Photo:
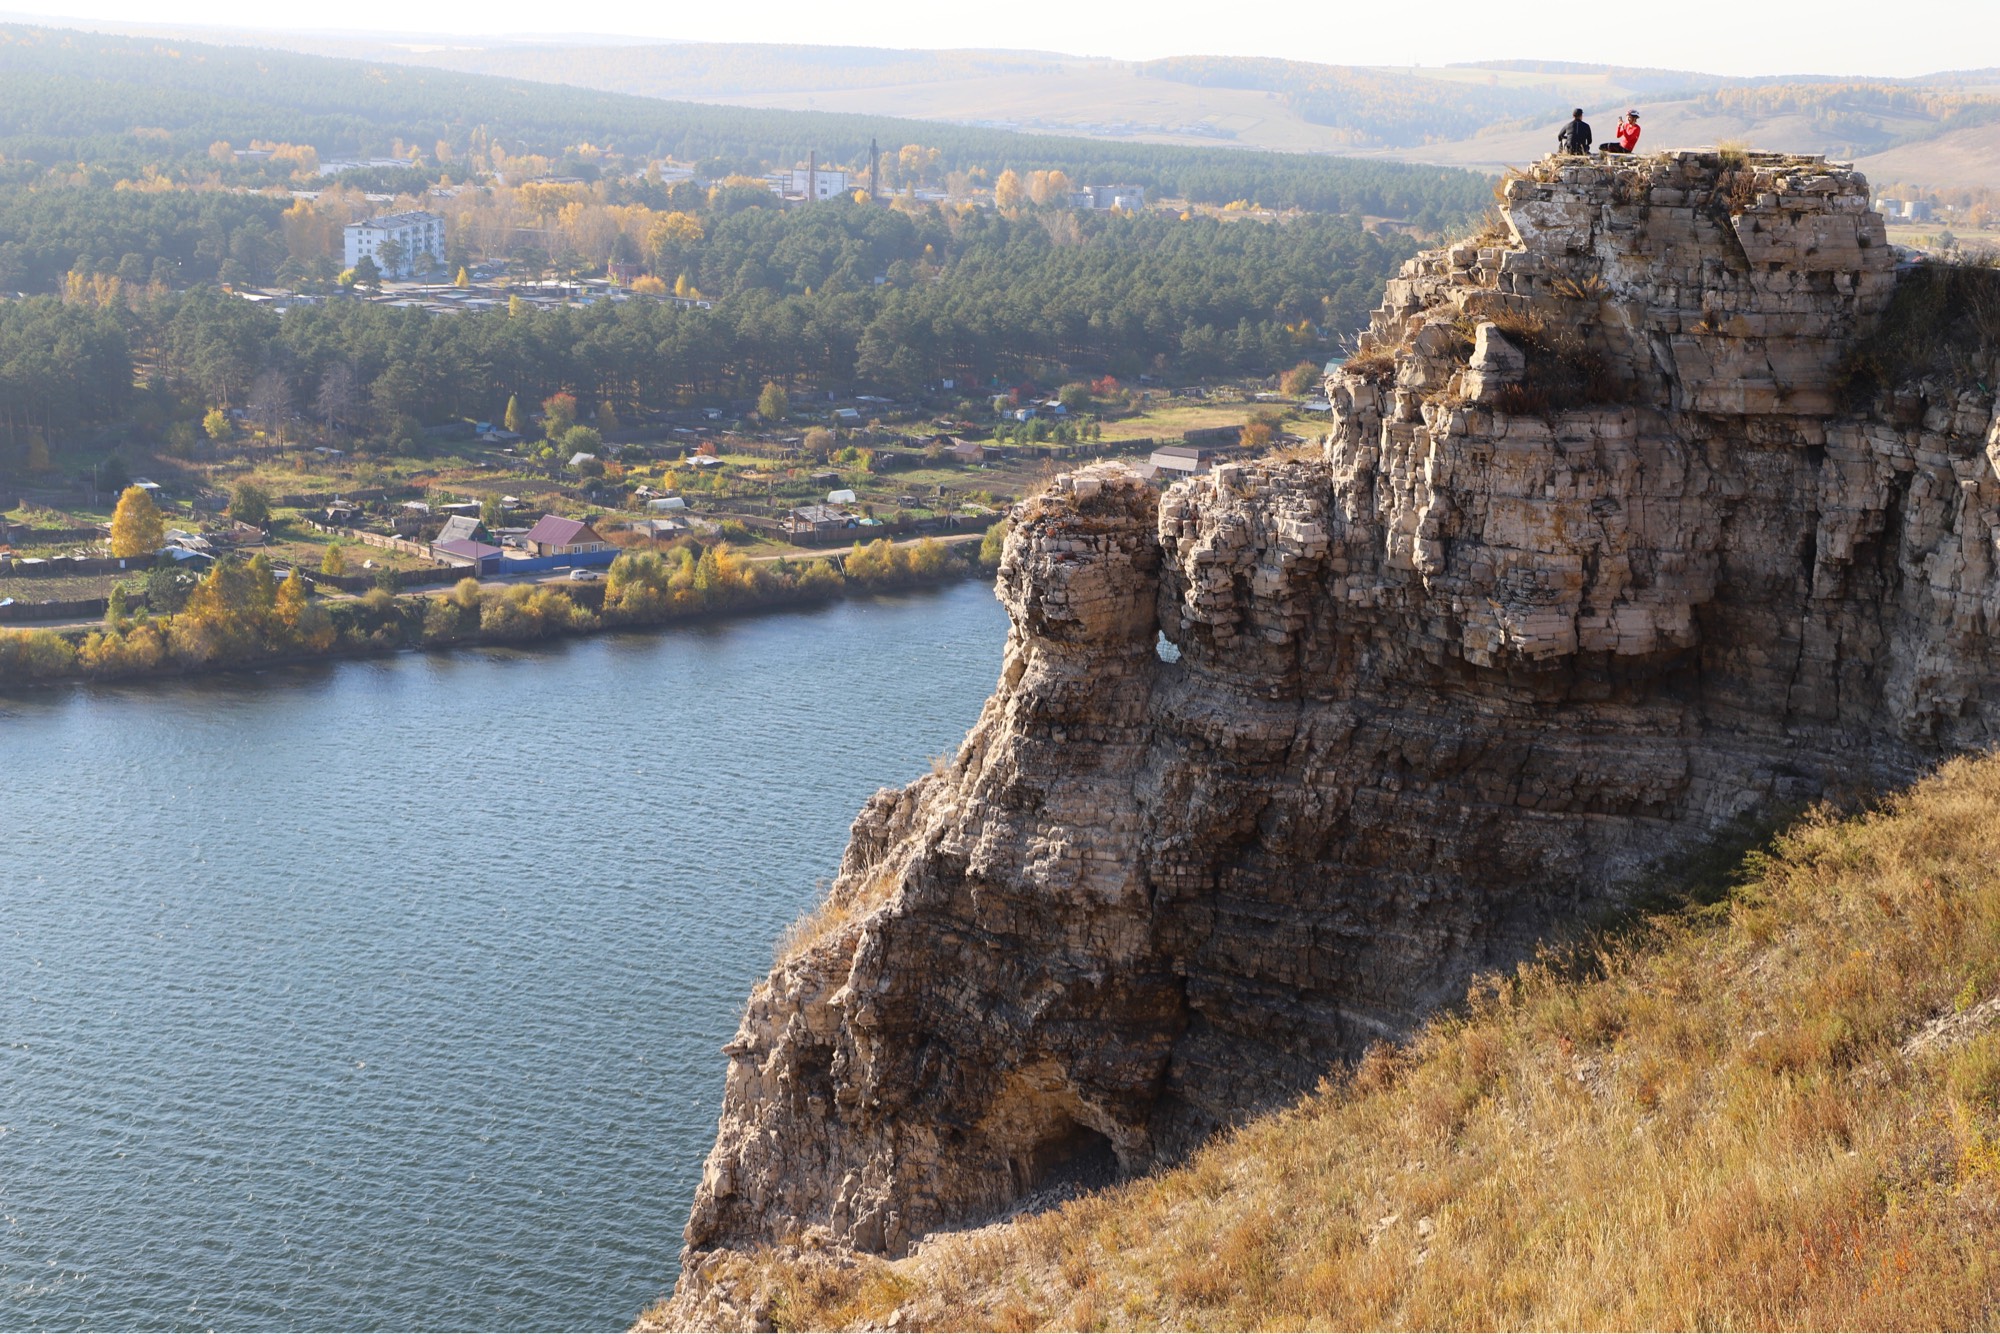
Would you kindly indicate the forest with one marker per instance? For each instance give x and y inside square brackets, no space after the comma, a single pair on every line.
[139,179]
[975,297]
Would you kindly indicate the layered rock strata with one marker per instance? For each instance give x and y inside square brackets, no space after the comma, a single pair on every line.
[1592,563]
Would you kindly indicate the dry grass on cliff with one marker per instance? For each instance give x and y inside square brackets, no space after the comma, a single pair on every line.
[832,915]
[1781,1110]
[1943,324]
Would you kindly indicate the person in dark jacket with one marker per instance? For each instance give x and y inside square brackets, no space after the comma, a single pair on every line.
[1575,136]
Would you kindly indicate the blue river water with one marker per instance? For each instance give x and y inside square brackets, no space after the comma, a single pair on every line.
[387,994]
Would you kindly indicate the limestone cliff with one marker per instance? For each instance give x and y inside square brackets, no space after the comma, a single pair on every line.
[1598,556]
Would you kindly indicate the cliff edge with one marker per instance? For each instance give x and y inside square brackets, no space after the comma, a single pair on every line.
[1614,541]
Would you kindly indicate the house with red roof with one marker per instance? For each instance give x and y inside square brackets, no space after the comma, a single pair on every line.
[554,536]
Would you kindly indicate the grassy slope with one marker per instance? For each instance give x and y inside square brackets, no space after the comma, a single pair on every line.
[1780,1110]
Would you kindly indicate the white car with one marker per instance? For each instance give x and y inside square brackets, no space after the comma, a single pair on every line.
[585,575]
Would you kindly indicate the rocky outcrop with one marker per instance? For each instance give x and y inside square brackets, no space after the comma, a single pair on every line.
[1593,562]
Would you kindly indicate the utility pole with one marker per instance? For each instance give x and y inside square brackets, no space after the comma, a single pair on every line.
[874,171]
[812,176]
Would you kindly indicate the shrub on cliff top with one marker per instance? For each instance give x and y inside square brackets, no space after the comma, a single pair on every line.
[1943,323]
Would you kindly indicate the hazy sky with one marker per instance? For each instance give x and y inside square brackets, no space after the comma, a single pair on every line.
[1719,36]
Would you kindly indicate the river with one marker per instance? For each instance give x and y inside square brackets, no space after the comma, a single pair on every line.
[387,994]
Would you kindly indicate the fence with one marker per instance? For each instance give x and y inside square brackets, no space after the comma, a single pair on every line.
[76,610]
[22,535]
[65,565]
[430,576]
[537,564]
[366,538]
[320,499]
[847,537]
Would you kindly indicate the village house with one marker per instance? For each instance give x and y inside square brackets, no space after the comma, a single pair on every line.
[555,536]
[1184,458]
[819,519]
[460,528]
[479,557]
[661,528]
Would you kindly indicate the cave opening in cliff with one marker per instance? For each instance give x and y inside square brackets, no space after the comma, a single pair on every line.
[1070,1155]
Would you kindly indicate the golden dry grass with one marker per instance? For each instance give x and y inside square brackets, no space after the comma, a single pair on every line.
[1718,1120]
[1172,419]
[832,915]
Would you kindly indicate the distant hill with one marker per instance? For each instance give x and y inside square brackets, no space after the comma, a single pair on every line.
[1482,116]
[124,104]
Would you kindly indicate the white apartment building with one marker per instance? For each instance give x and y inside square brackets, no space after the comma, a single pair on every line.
[417,236]
[817,184]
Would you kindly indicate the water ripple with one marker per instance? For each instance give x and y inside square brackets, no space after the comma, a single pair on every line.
[386,995]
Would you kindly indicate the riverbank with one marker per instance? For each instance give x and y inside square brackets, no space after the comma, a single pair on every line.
[240,615]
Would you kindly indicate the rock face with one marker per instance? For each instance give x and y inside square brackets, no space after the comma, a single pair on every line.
[1592,563]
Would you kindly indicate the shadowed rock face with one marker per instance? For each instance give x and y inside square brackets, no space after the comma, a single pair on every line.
[1590,565]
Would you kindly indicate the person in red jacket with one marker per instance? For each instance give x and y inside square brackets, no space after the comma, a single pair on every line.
[1627,132]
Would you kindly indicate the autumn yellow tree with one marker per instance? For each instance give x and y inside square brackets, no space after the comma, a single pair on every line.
[558,414]
[1048,187]
[669,235]
[1008,192]
[229,615]
[914,164]
[137,527]
[304,620]
[1300,379]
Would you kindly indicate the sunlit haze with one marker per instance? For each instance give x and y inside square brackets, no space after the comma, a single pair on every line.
[1718,36]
